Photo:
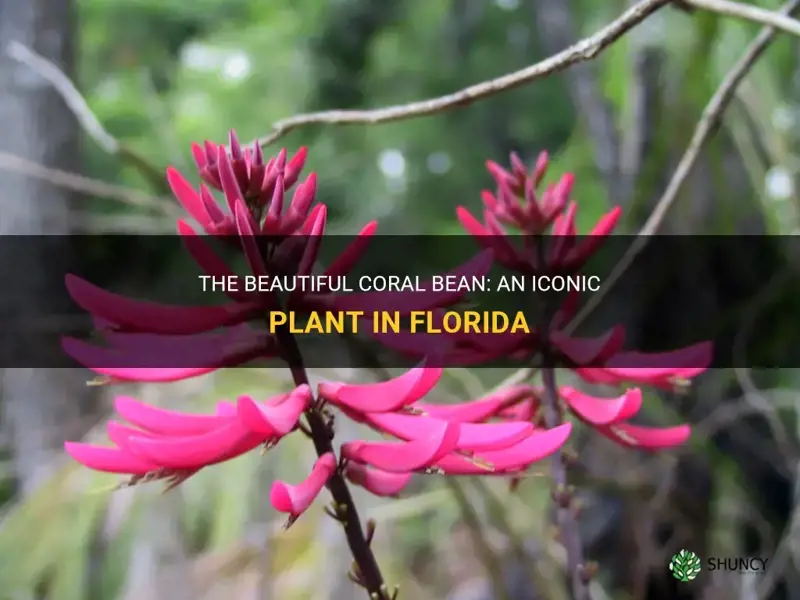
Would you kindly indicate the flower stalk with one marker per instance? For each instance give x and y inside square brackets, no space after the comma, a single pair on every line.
[366,573]
[563,495]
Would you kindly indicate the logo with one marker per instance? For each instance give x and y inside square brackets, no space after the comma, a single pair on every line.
[685,565]
[738,564]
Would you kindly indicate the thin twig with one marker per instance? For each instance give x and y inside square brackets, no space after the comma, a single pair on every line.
[86,118]
[87,185]
[72,97]
[584,50]
[706,127]
[562,495]
[748,12]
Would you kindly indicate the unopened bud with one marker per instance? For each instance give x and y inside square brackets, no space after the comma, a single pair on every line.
[569,458]
[370,534]
[587,572]
[562,496]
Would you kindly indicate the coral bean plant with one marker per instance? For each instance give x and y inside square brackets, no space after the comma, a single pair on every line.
[499,435]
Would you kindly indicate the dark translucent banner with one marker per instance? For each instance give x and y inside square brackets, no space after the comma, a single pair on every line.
[404,298]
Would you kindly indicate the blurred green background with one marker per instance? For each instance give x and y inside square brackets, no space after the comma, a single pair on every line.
[160,74]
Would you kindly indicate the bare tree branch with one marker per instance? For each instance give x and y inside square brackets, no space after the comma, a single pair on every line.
[705,129]
[748,12]
[86,118]
[72,97]
[86,185]
[584,50]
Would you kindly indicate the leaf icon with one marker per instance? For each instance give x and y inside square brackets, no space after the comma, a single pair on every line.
[685,566]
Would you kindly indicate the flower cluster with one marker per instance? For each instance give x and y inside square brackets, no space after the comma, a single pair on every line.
[142,338]
[454,439]
[599,360]
[503,433]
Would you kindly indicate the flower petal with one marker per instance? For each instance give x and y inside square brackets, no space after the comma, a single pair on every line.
[210,262]
[119,435]
[109,460]
[405,456]
[602,411]
[591,243]
[295,499]
[473,437]
[647,438]
[347,259]
[384,396]
[375,481]
[196,451]
[274,420]
[247,227]
[313,242]
[692,357]
[227,178]
[137,365]
[142,315]
[188,197]
[535,447]
[477,410]
[295,166]
[163,421]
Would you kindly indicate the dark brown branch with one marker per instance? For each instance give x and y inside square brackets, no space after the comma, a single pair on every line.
[345,511]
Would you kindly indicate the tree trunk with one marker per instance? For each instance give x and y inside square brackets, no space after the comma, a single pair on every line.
[42,404]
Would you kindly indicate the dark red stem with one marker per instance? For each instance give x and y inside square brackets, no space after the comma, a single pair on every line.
[344,507]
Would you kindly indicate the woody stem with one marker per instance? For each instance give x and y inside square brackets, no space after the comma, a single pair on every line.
[344,506]
[563,496]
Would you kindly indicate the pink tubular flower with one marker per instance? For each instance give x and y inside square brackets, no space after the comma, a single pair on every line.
[386,396]
[274,419]
[243,175]
[148,341]
[403,457]
[444,439]
[295,499]
[144,357]
[598,360]
[375,481]
[517,204]
[609,416]
[166,444]
[479,410]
